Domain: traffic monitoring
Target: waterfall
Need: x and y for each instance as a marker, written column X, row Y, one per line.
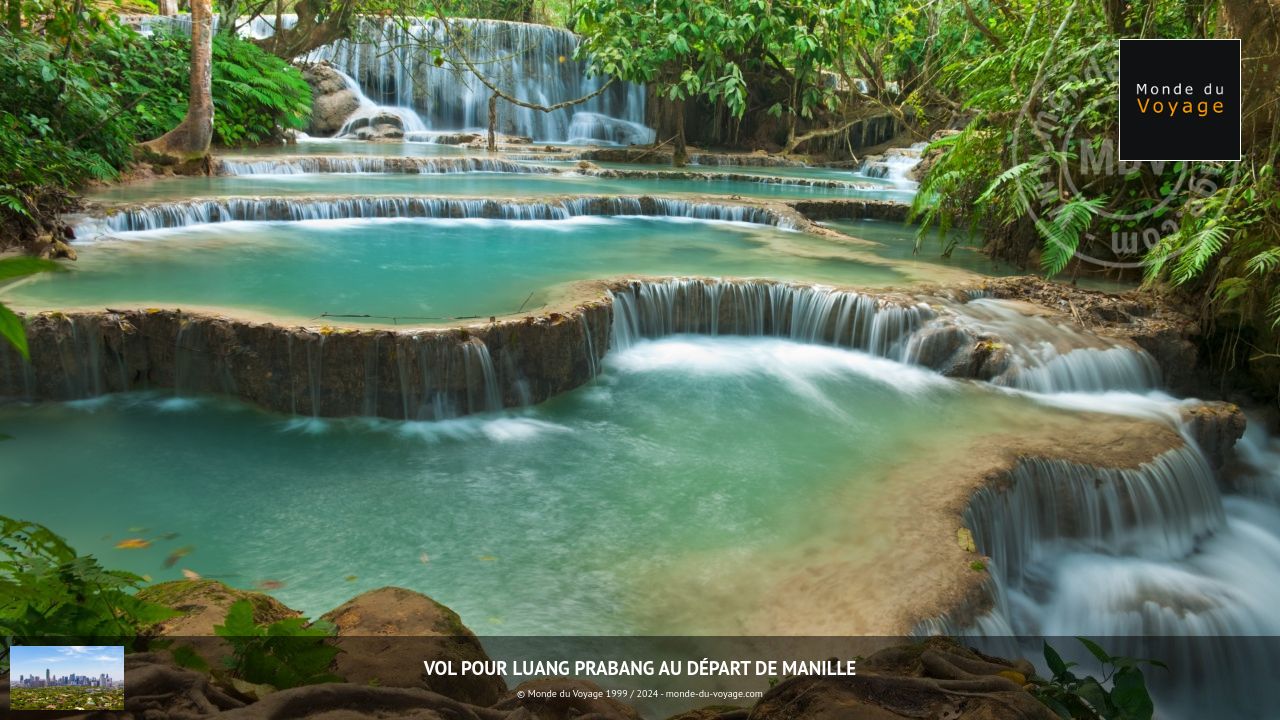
column 1046, row 356
column 368, row 112
column 155, row 216
column 396, row 64
column 476, row 353
column 372, row 164
column 894, row 165
column 804, row 313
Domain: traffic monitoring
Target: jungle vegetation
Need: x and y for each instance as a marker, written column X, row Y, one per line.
column 80, row 91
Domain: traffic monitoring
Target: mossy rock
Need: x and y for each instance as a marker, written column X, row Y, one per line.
column 386, row 634
column 204, row 604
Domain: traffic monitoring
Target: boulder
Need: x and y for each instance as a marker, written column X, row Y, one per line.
column 387, row 634
column 204, row 603
column 332, row 100
column 379, row 126
column 201, row 605
column 930, row 157
column 564, row 698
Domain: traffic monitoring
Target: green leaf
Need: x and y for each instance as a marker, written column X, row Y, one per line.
column 13, row 330
column 1130, row 697
column 22, row 266
column 1096, row 650
column 1054, row 660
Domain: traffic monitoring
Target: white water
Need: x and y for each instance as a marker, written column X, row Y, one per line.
column 395, row 65
column 369, row 110
column 894, row 166
column 157, row 216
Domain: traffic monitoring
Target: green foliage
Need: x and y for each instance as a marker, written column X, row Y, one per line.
column 11, row 327
column 805, row 54
column 287, row 653
column 47, row 590
column 1088, row 698
column 255, row 94
column 66, row 698
column 76, row 96
column 57, row 128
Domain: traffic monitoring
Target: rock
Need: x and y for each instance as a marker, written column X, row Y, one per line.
column 1215, row 426
column 930, row 157
column 332, row 100
column 379, row 126
column 202, row 604
column 542, row 699
column 934, row 679
column 48, row 247
column 387, row 634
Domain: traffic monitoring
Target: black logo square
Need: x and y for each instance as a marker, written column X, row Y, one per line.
column 1179, row 100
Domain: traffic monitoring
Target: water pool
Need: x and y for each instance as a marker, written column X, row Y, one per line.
column 476, row 184
column 631, row 505
column 422, row 268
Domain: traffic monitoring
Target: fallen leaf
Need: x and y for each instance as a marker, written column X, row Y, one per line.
column 424, row 559
column 488, row 558
column 177, row 555
column 190, row 574
column 133, row 544
column 351, row 578
column 270, row 584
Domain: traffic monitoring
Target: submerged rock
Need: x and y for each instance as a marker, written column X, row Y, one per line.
column 387, row 634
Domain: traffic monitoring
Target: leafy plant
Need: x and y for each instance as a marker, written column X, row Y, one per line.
column 287, row 653
column 1088, row 697
column 11, row 327
column 47, row 590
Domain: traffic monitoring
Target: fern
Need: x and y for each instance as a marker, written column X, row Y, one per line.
column 1062, row 231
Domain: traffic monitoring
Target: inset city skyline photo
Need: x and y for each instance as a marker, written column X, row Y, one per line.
column 66, row 677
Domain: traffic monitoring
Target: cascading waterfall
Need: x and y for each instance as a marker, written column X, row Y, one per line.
column 396, row 64
column 368, row 112
column 1046, row 356
column 1154, row 561
column 894, row 165
column 374, row 165
column 155, row 216
column 804, row 313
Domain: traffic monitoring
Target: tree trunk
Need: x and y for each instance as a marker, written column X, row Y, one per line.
column 1257, row 24
column 190, row 140
column 493, row 122
column 680, row 155
column 319, row 23
column 167, row 7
